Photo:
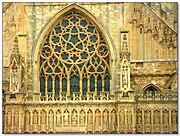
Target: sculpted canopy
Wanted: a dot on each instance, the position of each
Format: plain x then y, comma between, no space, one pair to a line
74,58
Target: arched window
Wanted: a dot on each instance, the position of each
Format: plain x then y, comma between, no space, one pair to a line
74,53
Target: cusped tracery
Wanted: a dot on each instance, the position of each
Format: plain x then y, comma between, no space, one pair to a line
74,51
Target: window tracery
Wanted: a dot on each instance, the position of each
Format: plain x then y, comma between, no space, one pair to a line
74,52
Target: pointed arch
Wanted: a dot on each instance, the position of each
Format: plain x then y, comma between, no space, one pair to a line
44,31
151,86
48,27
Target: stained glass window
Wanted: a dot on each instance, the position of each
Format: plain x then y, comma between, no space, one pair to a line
107,83
84,86
92,83
42,85
57,86
74,48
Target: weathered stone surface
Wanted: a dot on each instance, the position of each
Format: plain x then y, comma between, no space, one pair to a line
143,99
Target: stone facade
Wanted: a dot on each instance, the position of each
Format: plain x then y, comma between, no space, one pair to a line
141,39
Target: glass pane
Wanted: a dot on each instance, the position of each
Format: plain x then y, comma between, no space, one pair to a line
55,39
42,85
92,84
83,23
57,86
50,84
99,84
64,85
107,83
74,85
84,87
74,39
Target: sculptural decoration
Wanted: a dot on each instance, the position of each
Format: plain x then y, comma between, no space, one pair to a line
148,117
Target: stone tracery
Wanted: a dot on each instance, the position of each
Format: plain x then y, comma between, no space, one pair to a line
73,51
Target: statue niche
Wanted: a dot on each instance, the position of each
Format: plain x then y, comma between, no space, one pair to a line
16,119
139,117
174,117
156,117
51,120
66,117
74,117
82,118
105,120
27,120
147,117
90,118
129,117
121,117
35,117
113,120
43,117
165,117
9,119
97,120
58,118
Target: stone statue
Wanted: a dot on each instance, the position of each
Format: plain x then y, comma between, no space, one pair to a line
51,118
174,116
66,117
129,117
35,117
113,120
82,118
139,118
58,118
27,118
125,78
43,117
121,117
9,118
156,117
74,117
16,121
98,118
148,117
105,117
165,117
14,81
90,119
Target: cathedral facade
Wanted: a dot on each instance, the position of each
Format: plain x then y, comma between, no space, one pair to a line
90,68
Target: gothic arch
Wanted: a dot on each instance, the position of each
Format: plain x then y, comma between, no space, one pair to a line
47,28
151,85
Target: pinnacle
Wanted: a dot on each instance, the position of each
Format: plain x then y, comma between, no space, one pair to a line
15,47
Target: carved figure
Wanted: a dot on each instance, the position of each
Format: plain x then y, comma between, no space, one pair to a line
58,118
90,119
128,117
105,119
148,117
139,118
165,117
74,117
35,121
121,117
113,120
174,117
98,118
51,118
156,117
82,118
43,117
66,117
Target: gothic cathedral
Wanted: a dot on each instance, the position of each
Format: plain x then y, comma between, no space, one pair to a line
90,67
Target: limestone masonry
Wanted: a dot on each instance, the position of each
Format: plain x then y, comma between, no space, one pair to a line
90,67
